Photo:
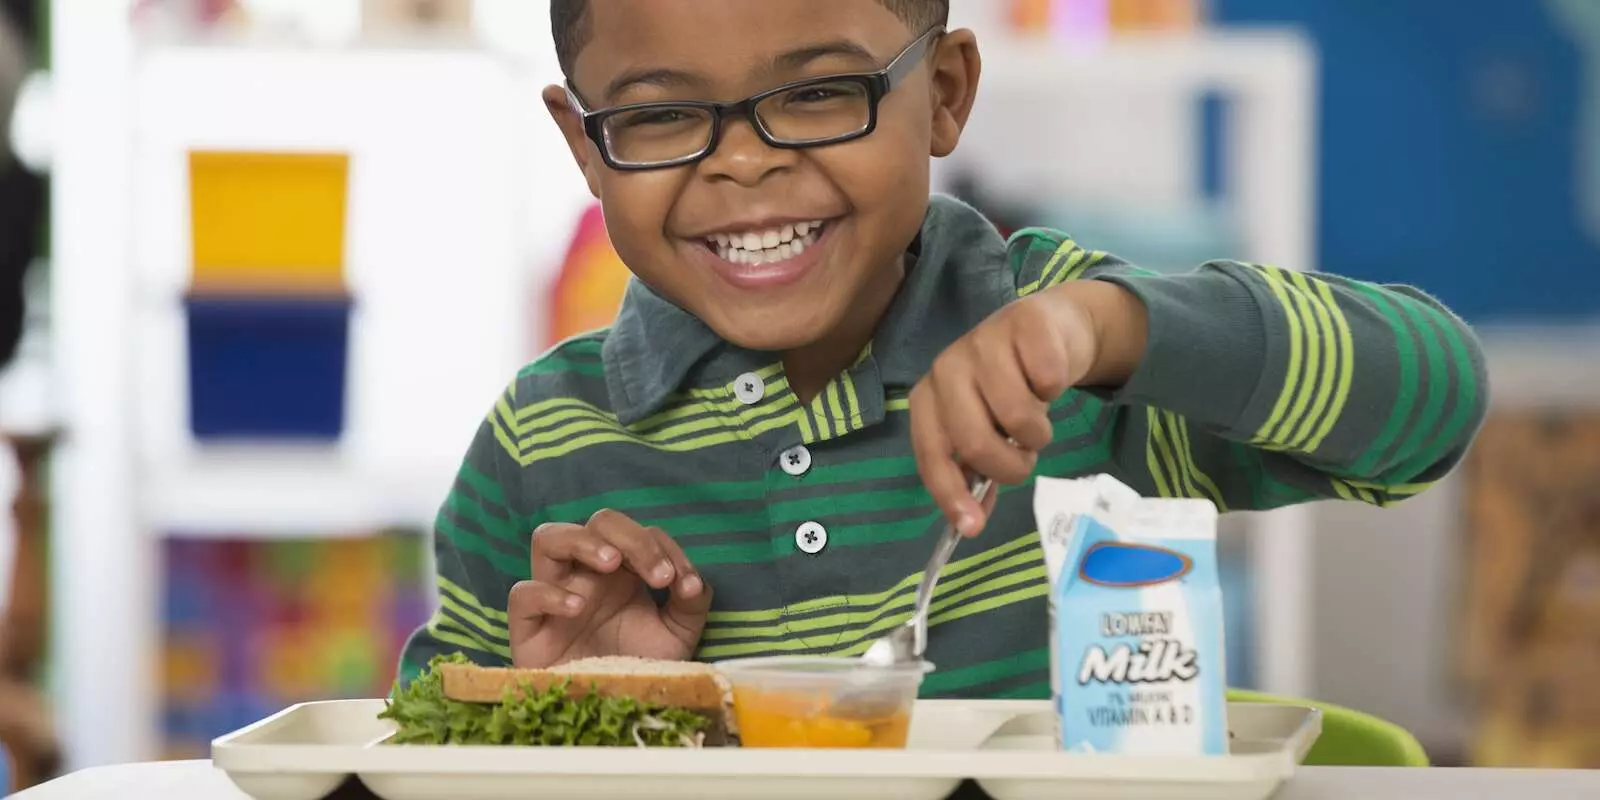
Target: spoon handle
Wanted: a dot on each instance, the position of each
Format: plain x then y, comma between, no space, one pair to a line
941,553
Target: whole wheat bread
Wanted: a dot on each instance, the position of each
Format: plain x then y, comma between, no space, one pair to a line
678,684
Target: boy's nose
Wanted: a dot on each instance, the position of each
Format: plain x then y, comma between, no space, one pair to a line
744,158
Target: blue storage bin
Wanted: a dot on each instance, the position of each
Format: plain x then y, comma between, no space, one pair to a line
267,367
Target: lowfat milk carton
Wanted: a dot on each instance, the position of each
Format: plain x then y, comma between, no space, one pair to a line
1136,638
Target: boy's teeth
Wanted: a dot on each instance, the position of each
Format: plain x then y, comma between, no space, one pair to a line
760,247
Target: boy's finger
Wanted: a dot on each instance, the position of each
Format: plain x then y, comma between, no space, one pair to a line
685,614
534,600
1045,362
556,547
978,444
688,580
641,547
1012,403
935,465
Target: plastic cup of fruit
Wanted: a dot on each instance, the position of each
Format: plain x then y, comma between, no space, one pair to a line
820,702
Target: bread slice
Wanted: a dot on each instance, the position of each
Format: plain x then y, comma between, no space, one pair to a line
677,684
688,685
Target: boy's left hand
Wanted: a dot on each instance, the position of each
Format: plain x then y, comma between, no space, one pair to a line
997,383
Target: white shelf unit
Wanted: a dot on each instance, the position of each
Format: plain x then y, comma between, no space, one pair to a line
459,205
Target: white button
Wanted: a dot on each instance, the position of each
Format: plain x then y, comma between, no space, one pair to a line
749,388
795,461
811,537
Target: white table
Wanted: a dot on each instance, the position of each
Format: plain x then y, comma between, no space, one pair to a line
198,780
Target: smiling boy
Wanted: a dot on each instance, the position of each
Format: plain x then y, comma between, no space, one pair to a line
753,458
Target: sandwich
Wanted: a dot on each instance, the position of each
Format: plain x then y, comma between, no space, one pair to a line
595,702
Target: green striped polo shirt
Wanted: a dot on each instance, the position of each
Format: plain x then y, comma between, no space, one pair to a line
1260,387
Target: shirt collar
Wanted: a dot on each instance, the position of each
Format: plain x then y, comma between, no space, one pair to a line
958,276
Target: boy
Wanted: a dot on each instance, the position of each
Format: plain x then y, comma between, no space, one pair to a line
814,350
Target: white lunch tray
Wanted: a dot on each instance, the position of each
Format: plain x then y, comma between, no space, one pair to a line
1006,746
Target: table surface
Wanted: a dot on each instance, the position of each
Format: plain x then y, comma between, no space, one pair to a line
199,780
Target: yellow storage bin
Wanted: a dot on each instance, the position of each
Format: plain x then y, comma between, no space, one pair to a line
268,222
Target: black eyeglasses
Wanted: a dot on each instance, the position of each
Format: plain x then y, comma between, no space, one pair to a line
807,113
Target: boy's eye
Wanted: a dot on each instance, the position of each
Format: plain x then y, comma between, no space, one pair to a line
655,117
821,94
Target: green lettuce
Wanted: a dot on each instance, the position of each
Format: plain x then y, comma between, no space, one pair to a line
525,717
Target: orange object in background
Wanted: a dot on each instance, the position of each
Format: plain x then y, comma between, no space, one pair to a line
1030,16
589,290
1168,16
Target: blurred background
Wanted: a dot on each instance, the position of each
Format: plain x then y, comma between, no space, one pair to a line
277,254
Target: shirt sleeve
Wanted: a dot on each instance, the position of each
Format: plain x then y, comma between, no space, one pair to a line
481,543
1262,387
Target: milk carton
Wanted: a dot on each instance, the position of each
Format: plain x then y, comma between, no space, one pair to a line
1136,639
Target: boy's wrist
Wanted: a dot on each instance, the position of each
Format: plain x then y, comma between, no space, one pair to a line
1119,322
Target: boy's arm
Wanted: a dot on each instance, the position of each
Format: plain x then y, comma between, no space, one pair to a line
481,548
1261,387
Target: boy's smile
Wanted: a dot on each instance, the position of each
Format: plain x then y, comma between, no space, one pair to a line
789,248
760,254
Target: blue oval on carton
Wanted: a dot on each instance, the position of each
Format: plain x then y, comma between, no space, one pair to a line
1124,565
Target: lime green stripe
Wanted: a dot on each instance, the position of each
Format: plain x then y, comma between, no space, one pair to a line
464,638
679,446
853,399
470,616
959,612
862,610
807,433
1347,357
987,672
1406,391
897,404
765,373
1329,339
450,589
578,428
1186,450
690,417
1066,246
1166,438
952,571
1283,436
1152,458
1291,375
1079,257
951,605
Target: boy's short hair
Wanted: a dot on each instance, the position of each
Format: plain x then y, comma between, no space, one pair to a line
569,23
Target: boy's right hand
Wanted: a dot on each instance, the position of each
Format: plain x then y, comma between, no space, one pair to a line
590,595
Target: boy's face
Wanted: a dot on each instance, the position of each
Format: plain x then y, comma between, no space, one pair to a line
672,226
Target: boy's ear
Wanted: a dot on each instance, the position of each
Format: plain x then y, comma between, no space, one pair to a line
571,125
956,68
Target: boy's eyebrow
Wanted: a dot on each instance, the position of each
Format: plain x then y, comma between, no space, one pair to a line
661,77
784,62
800,57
